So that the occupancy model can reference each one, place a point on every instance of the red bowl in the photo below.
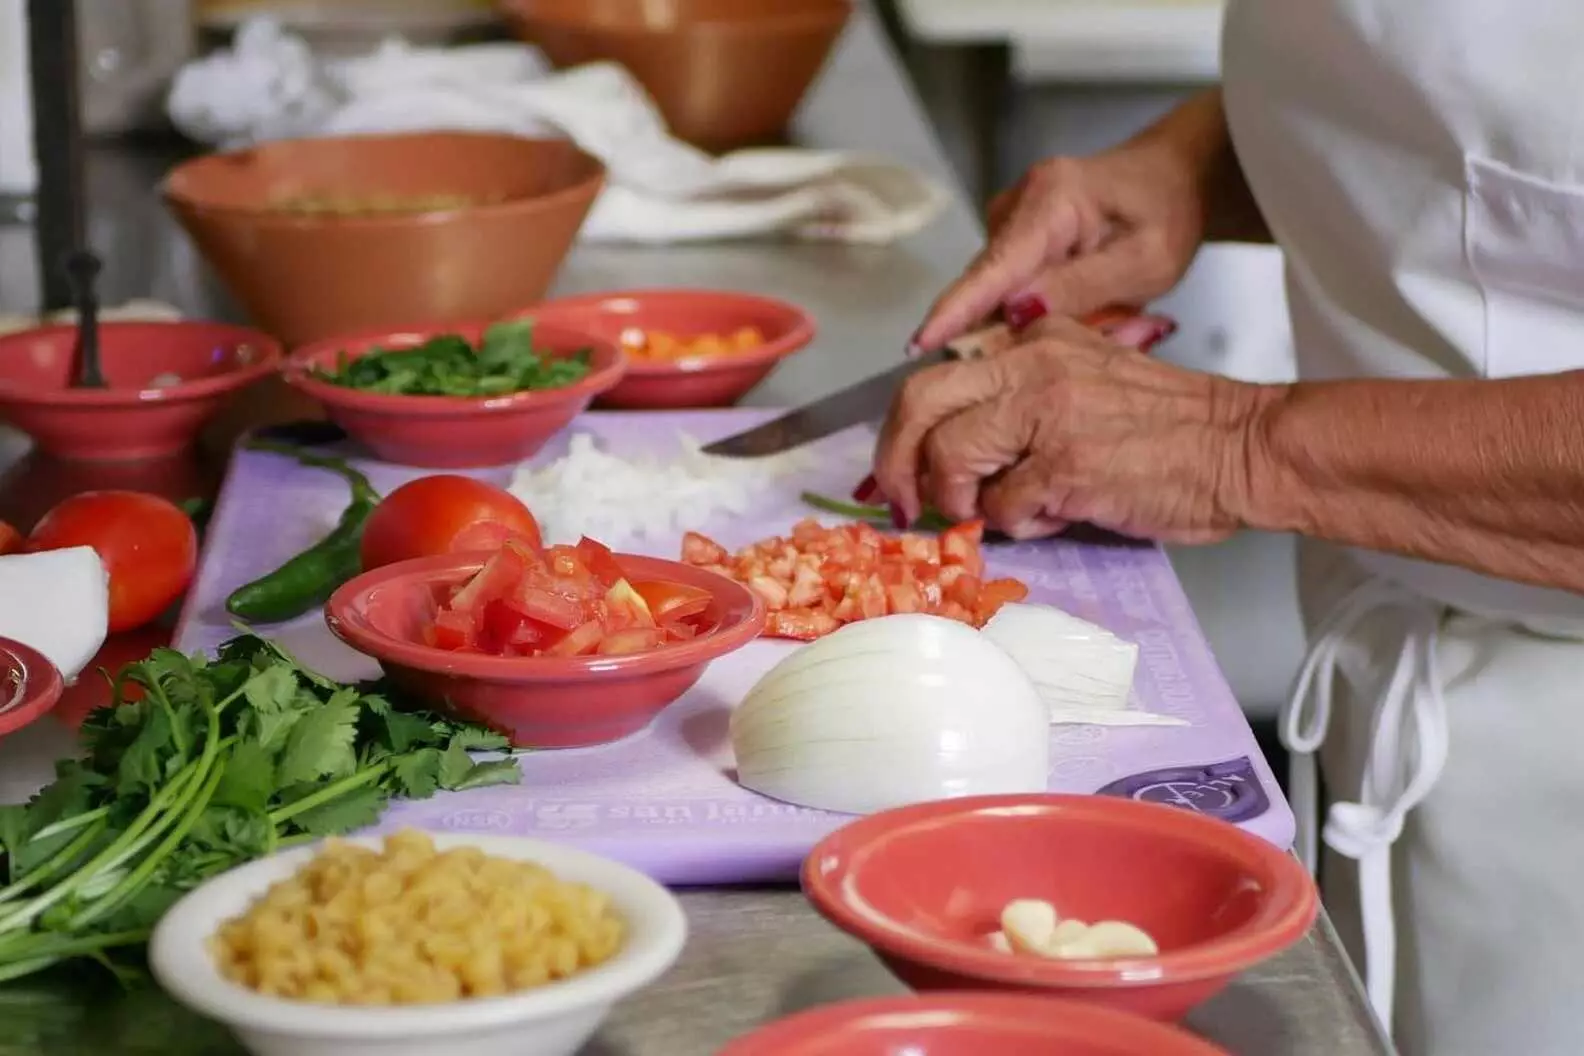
(968, 1024)
(539, 702)
(29, 685)
(924, 886)
(716, 381)
(135, 417)
(444, 432)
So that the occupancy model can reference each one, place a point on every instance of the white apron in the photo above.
(1421, 162)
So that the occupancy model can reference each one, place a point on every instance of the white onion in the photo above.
(891, 711)
(1079, 669)
(595, 492)
(58, 602)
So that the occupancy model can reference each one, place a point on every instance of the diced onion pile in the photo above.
(596, 493)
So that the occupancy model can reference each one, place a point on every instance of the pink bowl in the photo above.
(444, 432)
(924, 886)
(967, 1024)
(137, 416)
(29, 685)
(539, 702)
(717, 381)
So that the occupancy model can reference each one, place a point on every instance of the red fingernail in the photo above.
(899, 519)
(865, 490)
(1024, 309)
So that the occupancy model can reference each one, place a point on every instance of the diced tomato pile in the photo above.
(564, 601)
(820, 578)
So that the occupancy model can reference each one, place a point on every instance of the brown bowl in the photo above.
(725, 73)
(505, 210)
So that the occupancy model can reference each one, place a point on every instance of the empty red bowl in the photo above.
(712, 381)
(539, 702)
(166, 379)
(444, 432)
(925, 885)
(967, 1024)
(29, 685)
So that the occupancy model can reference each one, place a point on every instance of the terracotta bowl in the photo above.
(443, 432)
(725, 73)
(539, 702)
(145, 412)
(305, 276)
(925, 885)
(968, 1024)
(29, 685)
(717, 381)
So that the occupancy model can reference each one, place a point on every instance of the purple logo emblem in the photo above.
(1230, 791)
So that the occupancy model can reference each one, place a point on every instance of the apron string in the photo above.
(1408, 751)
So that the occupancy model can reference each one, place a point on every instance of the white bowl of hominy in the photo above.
(262, 948)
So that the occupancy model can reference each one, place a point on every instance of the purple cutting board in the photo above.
(663, 800)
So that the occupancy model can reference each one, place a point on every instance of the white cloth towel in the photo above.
(269, 85)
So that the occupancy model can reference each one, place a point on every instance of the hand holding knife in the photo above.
(868, 400)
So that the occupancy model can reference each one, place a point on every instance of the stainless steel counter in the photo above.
(753, 955)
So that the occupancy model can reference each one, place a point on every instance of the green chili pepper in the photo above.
(309, 579)
(929, 520)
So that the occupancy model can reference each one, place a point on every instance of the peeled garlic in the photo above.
(1030, 925)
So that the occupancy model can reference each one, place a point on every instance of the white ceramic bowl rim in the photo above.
(180, 959)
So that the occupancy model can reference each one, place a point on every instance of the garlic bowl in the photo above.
(891, 711)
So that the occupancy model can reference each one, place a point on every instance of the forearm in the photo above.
(1198, 129)
(1488, 475)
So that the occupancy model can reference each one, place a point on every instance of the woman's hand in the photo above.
(1069, 426)
(1083, 233)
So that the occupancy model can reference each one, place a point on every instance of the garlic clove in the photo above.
(1110, 938)
(1067, 931)
(1028, 924)
(999, 942)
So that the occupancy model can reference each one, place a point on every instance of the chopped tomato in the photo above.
(10, 539)
(702, 551)
(632, 640)
(584, 639)
(600, 562)
(563, 601)
(672, 601)
(818, 578)
(453, 630)
(503, 571)
(627, 607)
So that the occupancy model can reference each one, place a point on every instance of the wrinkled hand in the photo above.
(1081, 233)
(1069, 426)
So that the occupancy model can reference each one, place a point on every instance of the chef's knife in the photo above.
(866, 401)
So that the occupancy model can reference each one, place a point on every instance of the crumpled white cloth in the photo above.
(269, 85)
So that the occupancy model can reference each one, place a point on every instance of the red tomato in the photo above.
(148, 545)
(11, 540)
(601, 563)
(673, 601)
(444, 514)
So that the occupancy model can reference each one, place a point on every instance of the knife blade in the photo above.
(866, 401)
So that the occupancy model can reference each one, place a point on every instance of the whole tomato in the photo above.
(10, 539)
(444, 514)
(148, 545)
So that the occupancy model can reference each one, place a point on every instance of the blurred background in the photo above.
(1005, 83)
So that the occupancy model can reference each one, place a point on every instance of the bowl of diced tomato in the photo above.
(556, 648)
(685, 348)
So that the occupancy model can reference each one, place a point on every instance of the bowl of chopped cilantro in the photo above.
(456, 397)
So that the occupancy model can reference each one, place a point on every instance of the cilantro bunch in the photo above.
(215, 763)
(505, 361)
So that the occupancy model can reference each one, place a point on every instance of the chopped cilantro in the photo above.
(505, 361)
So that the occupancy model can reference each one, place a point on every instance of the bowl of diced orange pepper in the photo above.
(685, 348)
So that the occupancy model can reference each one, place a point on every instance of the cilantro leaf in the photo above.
(320, 742)
(404, 731)
(479, 739)
(493, 772)
(416, 775)
(357, 809)
(249, 778)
